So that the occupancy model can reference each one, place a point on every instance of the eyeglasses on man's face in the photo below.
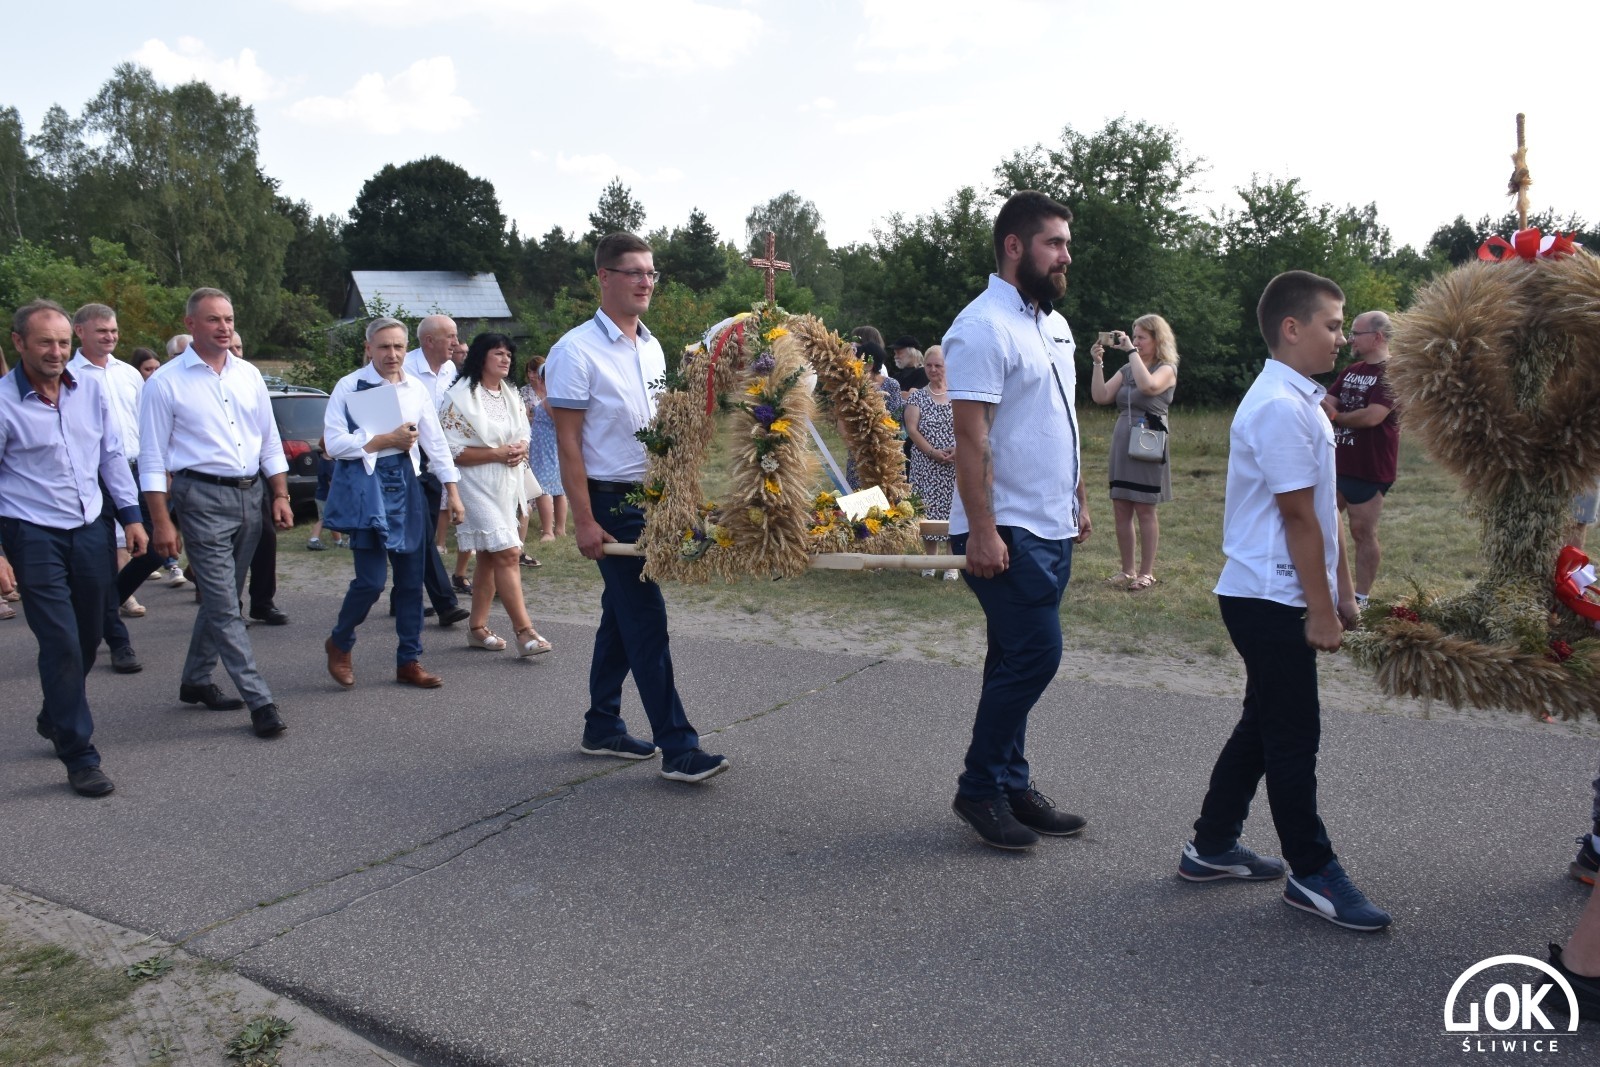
(1359, 333)
(637, 277)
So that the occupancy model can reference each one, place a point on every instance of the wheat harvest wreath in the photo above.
(762, 367)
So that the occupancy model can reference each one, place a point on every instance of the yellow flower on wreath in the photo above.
(780, 427)
(754, 388)
(904, 510)
(890, 423)
(771, 486)
(820, 530)
(858, 366)
(722, 537)
(774, 333)
(873, 525)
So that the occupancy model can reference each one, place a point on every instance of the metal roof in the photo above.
(425, 292)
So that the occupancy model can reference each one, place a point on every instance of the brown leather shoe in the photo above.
(339, 664)
(413, 674)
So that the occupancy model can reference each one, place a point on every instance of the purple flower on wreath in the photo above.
(764, 414)
(862, 533)
(764, 364)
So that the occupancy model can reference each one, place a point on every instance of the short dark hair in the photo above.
(1292, 295)
(93, 313)
(202, 294)
(867, 333)
(478, 351)
(1024, 215)
(141, 354)
(873, 354)
(613, 246)
(25, 313)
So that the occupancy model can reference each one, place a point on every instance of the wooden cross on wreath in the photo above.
(770, 266)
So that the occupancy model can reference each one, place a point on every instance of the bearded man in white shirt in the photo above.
(1019, 508)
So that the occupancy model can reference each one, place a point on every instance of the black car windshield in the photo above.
(299, 417)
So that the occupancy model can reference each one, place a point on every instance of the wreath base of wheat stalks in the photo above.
(758, 367)
(1497, 367)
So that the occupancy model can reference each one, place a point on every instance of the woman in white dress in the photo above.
(487, 428)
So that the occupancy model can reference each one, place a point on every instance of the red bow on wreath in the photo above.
(1573, 587)
(1528, 244)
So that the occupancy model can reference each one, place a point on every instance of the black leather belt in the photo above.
(620, 488)
(213, 479)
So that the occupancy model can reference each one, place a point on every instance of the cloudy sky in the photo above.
(867, 107)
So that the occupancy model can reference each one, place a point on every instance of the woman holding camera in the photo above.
(1142, 391)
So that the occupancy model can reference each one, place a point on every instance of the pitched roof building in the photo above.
(427, 292)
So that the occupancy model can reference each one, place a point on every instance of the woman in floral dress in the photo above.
(542, 455)
(931, 427)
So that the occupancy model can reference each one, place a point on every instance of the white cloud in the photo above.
(821, 103)
(420, 98)
(652, 34)
(601, 167)
(239, 76)
(536, 155)
(904, 36)
(930, 117)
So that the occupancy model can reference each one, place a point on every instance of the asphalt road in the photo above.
(444, 872)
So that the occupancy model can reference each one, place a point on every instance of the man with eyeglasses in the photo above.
(1366, 438)
(602, 379)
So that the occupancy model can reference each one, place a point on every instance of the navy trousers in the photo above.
(632, 637)
(1022, 610)
(436, 576)
(63, 576)
(1277, 737)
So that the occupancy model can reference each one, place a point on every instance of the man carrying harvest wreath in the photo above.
(1019, 505)
(601, 379)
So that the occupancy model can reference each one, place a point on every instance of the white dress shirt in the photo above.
(597, 369)
(122, 386)
(192, 418)
(1280, 441)
(52, 459)
(1001, 351)
(439, 382)
(416, 406)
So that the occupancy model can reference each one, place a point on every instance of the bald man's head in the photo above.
(437, 335)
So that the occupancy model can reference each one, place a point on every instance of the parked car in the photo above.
(298, 410)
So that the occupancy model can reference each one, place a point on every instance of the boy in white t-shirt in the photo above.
(1285, 594)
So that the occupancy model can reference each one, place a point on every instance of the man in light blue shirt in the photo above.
(1019, 507)
(58, 442)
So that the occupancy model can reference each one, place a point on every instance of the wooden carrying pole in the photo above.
(844, 561)
(859, 561)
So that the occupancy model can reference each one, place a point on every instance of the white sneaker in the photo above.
(952, 575)
(927, 574)
(174, 577)
(132, 609)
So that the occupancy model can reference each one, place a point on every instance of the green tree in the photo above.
(1140, 247)
(147, 311)
(799, 238)
(316, 261)
(617, 212)
(556, 263)
(28, 200)
(932, 266)
(429, 214)
(693, 256)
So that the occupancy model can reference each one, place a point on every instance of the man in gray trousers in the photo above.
(217, 454)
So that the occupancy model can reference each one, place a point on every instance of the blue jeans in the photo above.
(63, 576)
(411, 534)
(1277, 737)
(1022, 607)
(632, 637)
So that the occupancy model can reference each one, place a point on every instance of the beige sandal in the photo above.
(1119, 579)
(534, 645)
(490, 640)
(1142, 582)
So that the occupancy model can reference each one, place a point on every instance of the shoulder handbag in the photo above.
(1147, 443)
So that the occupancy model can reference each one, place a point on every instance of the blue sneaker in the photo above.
(694, 765)
(622, 746)
(1237, 862)
(1331, 895)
